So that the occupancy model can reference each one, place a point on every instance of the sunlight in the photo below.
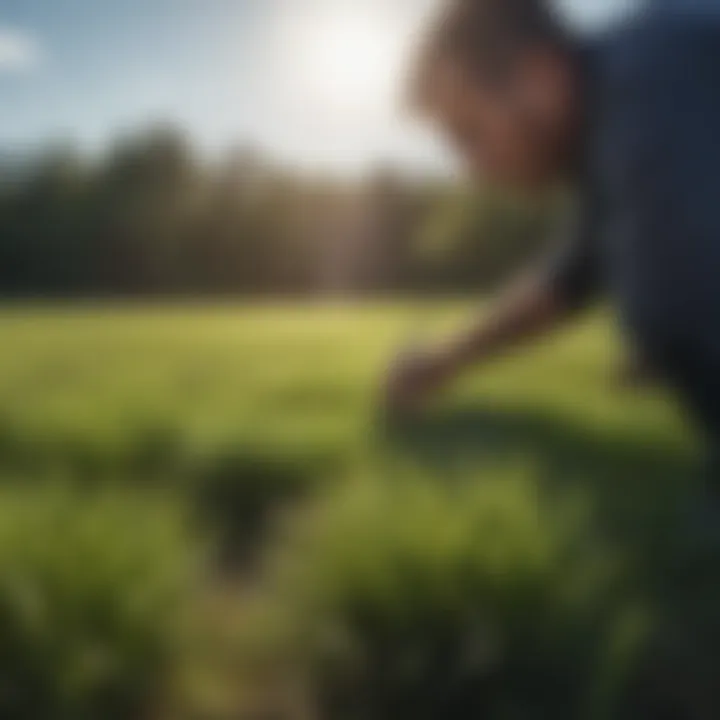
(348, 59)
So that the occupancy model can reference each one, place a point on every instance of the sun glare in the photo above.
(348, 60)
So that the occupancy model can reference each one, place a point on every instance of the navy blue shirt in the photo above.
(649, 227)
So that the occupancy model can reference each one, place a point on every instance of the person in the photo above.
(631, 121)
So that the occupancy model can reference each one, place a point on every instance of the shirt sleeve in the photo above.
(575, 270)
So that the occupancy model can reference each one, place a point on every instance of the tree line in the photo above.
(151, 216)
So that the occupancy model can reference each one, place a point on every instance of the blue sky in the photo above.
(260, 71)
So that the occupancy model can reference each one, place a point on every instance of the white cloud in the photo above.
(19, 51)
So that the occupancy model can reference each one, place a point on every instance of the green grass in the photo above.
(109, 387)
(245, 412)
(245, 407)
(275, 392)
(129, 390)
(95, 592)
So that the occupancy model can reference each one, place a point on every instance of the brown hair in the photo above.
(484, 35)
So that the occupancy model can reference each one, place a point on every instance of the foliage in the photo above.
(476, 240)
(416, 602)
(152, 217)
(92, 592)
(199, 401)
(243, 411)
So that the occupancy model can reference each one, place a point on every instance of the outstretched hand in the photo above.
(414, 378)
(531, 307)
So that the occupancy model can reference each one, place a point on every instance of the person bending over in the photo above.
(631, 120)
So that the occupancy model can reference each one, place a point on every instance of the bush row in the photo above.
(414, 601)
(382, 601)
(93, 598)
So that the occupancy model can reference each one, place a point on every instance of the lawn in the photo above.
(256, 419)
(114, 389)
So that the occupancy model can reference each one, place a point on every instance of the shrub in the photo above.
(419, 602)
(91, 598)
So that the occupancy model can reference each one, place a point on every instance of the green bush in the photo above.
(417, 602)
(91, 602)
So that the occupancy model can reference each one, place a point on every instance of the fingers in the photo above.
(409, 385)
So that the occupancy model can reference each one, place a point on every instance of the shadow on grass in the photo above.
(639, 489)
(238, 492)
(634, 482)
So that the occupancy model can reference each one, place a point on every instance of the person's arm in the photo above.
(531, 307)
(539, 301)
(528, 308)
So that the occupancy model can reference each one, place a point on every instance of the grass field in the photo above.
(114, 390)
(241, 412)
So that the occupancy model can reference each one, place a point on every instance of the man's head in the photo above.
(499, 78)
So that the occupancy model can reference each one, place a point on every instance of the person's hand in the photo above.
(415, 376)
